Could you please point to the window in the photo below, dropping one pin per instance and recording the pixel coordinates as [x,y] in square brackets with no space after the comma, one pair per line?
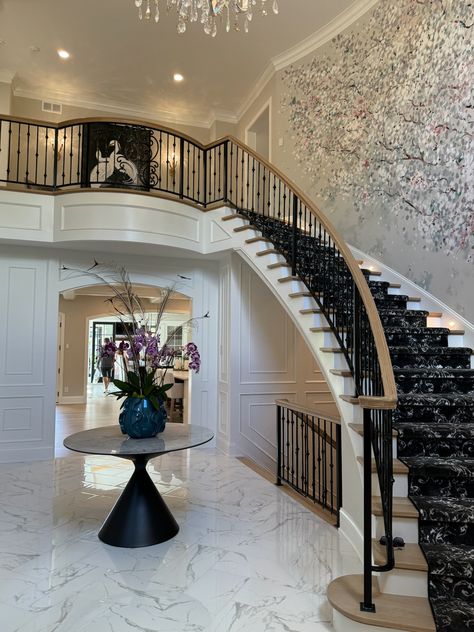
[174,335]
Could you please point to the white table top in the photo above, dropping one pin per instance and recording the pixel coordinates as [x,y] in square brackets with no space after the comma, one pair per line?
[110,440]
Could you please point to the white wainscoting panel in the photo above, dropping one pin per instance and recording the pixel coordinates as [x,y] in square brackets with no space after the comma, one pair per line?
[26,216]
[21,419]
[28,313]
[109,216]
[267,334]
[273,362]
[23,311]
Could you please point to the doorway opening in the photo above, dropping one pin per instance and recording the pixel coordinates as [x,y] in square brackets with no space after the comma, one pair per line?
[258,133]
[86,321]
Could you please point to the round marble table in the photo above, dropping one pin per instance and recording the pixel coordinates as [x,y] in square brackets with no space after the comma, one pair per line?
[140,516]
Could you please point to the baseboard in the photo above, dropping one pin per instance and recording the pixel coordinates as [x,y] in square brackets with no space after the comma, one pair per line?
[351,532]
[27,455]
[72,399]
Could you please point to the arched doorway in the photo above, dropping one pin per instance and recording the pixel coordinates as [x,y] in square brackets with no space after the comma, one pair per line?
[87,318]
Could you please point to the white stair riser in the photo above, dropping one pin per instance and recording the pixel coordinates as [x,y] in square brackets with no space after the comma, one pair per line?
[404,582]
[290,286]
[455,341]
[400,485]
[344,624]
[338,361]
[406,528]
[314,320]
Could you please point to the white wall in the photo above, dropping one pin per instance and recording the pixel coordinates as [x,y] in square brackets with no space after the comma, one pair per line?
[263,358]
[30,282]
[29,317]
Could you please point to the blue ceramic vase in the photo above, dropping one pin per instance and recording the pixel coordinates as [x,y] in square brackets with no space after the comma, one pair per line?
[139,419]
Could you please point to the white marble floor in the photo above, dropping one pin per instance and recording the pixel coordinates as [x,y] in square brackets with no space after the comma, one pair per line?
[247,557]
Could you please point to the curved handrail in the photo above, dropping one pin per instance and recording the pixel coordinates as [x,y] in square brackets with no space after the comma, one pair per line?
[389,398]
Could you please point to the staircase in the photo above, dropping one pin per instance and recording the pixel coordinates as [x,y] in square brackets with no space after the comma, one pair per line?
[412,464]
[433,466]
[434,422]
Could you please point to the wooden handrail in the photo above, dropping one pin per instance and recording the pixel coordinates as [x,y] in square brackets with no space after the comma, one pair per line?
[389,399]
[308,411]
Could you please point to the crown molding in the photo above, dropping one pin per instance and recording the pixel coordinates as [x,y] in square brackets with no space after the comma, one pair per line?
[307,46]
[225,117]
[323,35]
[162,116]
[6,76]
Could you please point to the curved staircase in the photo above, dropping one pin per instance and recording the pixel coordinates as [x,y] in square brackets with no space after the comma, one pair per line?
[433,432]
[374,346]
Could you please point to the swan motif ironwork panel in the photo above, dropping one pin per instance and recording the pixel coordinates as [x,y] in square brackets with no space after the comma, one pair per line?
[117,156]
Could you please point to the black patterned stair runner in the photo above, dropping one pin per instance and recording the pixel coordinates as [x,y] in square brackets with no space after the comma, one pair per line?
[434,419]
[435,424]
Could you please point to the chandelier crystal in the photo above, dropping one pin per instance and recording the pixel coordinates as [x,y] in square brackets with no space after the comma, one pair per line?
[207,12]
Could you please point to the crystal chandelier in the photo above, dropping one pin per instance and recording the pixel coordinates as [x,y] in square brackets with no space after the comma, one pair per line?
[207,12]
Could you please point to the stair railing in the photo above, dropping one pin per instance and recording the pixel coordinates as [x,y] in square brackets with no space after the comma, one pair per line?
[309,454]
[133,155]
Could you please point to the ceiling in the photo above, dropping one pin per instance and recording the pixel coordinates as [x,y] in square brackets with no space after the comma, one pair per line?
[118,60]
[143,291]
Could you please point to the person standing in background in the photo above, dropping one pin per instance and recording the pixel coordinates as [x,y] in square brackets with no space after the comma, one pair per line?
[106,360]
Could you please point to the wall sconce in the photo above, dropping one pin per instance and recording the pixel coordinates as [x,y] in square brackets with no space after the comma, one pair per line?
[172,165]
[59,149]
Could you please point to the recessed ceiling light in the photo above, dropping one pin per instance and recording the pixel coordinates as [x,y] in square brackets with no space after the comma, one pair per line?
[63,54]
[178,77]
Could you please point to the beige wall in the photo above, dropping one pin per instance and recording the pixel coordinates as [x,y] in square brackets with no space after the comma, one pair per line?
[31,108]
[76,314]
[5,98]
[221,128]
[330,144]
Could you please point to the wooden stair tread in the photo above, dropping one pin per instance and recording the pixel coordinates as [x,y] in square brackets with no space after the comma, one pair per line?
[254,240]
[331,349]
[395,285]
[279,264]
[456,332]
[409,558]
[268,251]
[287,279]
[372,272]
[340,372]
[435,314]
[392,611]
[310,310]
[402,507]
[414,299]
[398,466]
[300,295]
[359,428]
[226,218]
[240,229]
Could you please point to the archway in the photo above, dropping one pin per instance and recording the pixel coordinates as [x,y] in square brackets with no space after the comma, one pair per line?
[87,317]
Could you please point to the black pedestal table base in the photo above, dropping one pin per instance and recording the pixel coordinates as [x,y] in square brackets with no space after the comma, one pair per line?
[140,517]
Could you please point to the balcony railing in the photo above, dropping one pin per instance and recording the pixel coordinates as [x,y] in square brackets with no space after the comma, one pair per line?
[134,156]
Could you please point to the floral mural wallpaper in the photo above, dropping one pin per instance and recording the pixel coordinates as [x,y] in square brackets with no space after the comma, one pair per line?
[382,127]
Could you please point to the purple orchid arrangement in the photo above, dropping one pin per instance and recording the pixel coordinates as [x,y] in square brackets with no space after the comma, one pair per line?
[142,351]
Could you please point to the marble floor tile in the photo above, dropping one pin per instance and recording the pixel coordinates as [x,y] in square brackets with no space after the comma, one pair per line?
[247,556]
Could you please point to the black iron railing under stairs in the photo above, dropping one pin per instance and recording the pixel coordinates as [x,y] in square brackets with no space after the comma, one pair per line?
[102,154]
